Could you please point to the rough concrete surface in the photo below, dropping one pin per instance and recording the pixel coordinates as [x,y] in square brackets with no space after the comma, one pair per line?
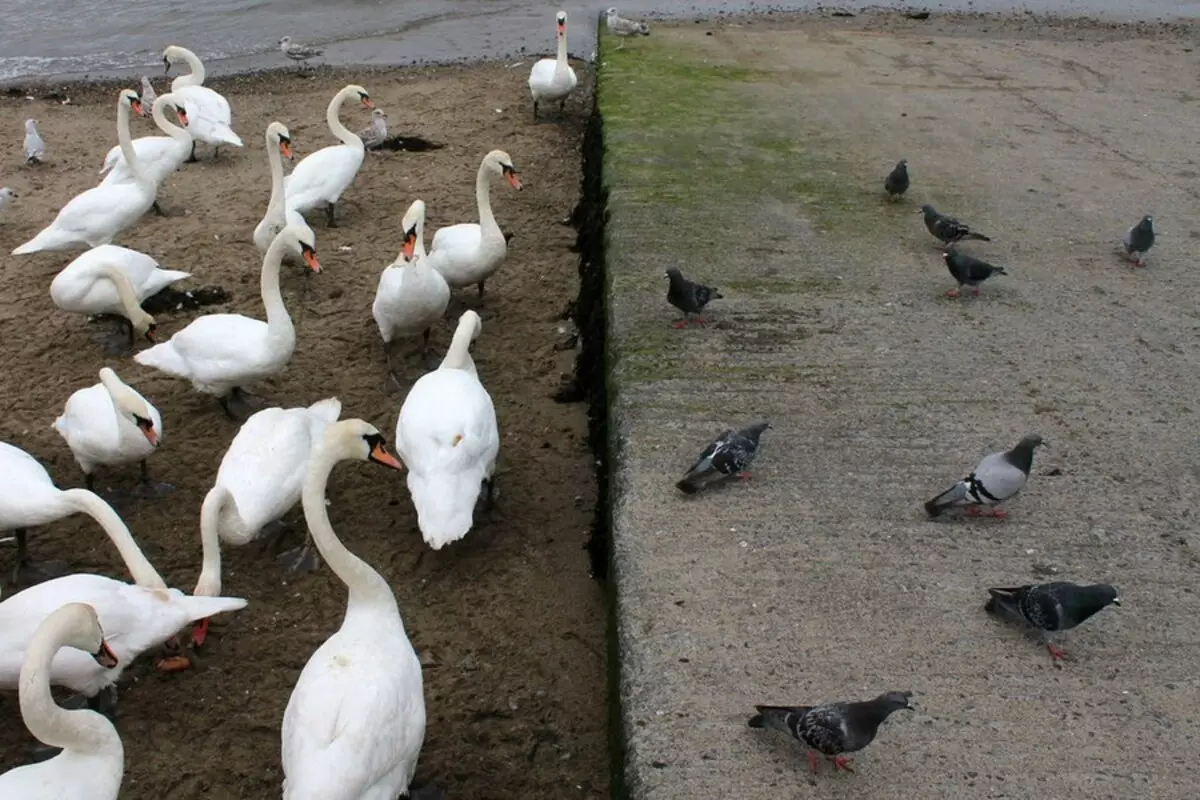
[753,157]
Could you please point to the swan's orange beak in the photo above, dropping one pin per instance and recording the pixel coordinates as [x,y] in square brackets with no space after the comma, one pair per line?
[182,116]
[147,428]
[285,147]
[105,657]
[310,258]
[562,28]
[514,178]
[368,102]
[136,105]
[410,244]
[380,455]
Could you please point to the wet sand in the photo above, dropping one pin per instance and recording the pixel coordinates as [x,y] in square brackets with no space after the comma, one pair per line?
[509,624]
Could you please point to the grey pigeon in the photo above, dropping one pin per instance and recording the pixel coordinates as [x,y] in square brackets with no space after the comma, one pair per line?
[688,297]
[998,477]
[1052,607]
[1139,239]
[148,97]
[298,52]
[947,228]
[968,271]
[7,196]
[834,728]
[35,146]
[728,455]
[619,26]
[896,183]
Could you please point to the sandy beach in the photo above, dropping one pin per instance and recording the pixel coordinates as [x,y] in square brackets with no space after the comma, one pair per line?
[509,624]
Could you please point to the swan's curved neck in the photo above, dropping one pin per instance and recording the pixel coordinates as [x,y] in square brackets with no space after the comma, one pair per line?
[367,587]
[275,161]
[209,582]
[344,134]
[83,730]
[140,569]
[458,354]
[196,75]
[279,324]
[125,292]
[125,140]
[561,61]
[483,197]
[159,112]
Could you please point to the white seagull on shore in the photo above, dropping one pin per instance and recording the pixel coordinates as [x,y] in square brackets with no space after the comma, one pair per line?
[35,145]
[7,196]
[619,26]
[374,134]
[298,52]
[148,97]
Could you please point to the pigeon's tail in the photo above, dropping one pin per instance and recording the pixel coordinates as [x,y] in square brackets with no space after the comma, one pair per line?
[973,235]
[955,495]
[696,479]
[774,717]
[1003,602]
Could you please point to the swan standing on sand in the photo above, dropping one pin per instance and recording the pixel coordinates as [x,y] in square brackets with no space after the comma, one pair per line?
[468,253]
[96,216]
[220,353]
[111,424]
[448,439]
[355,722]
[278,215]
[321,177]
[208,116]
[113,280]
[159,155]
[35,145]
[92,762]
[260,479]
[412,296]
[552,79]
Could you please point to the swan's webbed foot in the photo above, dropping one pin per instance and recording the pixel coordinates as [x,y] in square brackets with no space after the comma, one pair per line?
[331,215]
[490,493]
[158,209]
[535,116]
[245,402]
[272,534]
[29,572]
[105,701]
[151,489]
[480,290]
[121,341]
[301,559]
[191,159]
[392,382]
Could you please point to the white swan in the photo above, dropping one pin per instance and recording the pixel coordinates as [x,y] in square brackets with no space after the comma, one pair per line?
[208,115]
[94,217]
[552,79]
[355,722]
[412,296]
[159,155]
[113,280]
[260,479]
[468,253]
[321,177]
[92,762]
[448,439]
[219,353]
[278,216]
[110,424]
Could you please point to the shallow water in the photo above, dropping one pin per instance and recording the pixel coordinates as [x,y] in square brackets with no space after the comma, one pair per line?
[79,38]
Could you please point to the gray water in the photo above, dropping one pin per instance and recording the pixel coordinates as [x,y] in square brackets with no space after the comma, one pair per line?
[96,38]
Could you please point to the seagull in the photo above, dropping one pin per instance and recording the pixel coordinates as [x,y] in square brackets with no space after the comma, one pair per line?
[374,134]
[35,145]
[148,97]
[7,196]
[298,52]
[619,26]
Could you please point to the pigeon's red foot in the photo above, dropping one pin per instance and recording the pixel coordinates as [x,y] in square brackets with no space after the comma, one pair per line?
[200,632]
[680,323]
[953,293]
[745,476]
[700,321]
[977,291]
[842,762]
[998,514]
[813,762]
[1056,652]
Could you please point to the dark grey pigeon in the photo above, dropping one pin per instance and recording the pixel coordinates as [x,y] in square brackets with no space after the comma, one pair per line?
[896,183]
[688,297]
[728,455]
[948,229]
[1052,607]
[1139,239]
[968,271]
[998,477]
[834,728]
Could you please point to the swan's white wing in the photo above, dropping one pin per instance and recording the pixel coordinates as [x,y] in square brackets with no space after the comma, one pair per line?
[465,236]
[159,157]
[28,497]
[219,343]
[542,75]
[80,288]
[92,217]
[209,118]
[90,427]
[322,177]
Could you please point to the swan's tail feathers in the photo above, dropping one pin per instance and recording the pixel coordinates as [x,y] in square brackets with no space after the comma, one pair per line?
[47,239]
[164,358]
[445,505]
[327,410]
[199,608]
[225,135]
[953,496]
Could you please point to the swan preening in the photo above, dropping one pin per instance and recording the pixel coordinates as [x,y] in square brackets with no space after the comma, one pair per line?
[448,439]
[468,253]
[92,761]
[209,119]
[221,353]
[320,178]
[552,79]
[355,722]
[96,216]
